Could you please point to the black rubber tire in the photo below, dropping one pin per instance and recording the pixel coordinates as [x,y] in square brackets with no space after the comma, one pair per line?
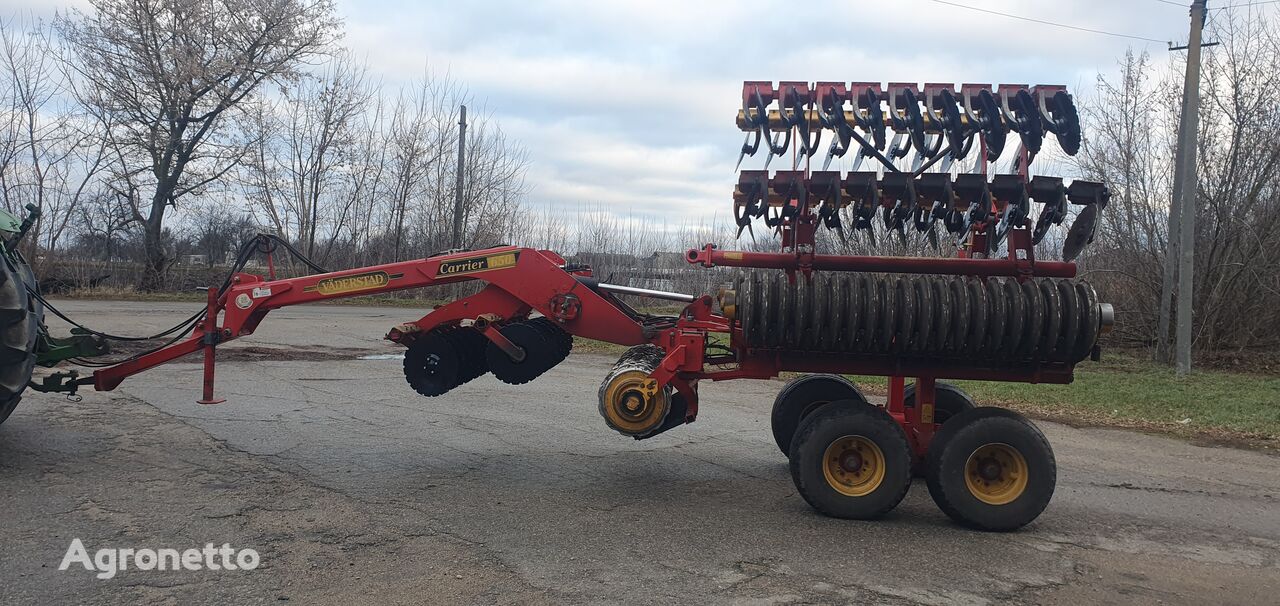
[470,346]
[431,364]
[949,401]
[562,338]
[960,438]
[20,318]
[540,354]
[803,395]
[831,422]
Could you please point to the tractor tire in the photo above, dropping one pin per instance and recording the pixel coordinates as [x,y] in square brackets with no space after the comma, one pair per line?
[991,469]
[803,395]
[21,316]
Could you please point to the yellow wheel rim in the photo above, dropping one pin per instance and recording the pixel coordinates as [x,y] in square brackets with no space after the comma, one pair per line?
[634,404]
[996,474]
[853,466]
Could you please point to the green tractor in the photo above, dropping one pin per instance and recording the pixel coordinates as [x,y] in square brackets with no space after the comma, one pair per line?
[24,342]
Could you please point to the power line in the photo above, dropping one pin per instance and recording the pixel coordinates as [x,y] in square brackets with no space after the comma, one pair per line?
[1053,23]
[1242,4]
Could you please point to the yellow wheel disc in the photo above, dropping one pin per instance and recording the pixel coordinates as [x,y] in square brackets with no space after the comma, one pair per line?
[633,404]
[996,474]
[853,466]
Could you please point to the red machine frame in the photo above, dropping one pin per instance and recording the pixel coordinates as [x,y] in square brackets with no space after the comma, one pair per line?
[521,281]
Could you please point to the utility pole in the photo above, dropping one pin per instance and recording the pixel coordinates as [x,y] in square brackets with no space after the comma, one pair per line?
[457,194]
[1169,281]
[1186,190]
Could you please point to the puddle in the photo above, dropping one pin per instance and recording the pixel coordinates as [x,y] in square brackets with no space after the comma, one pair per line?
[395,356]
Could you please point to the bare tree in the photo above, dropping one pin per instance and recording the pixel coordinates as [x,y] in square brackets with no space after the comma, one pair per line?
[46,158]
[1131,127]
[302,157]
[169,75]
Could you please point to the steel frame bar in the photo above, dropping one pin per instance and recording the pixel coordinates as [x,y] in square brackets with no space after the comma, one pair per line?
[711,257]
[520,280]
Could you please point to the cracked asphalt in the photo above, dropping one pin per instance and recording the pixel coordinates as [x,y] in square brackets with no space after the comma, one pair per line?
[356,490]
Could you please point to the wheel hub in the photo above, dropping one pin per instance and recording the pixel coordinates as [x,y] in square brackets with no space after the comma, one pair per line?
[854,466]
[851,462]
[996,474]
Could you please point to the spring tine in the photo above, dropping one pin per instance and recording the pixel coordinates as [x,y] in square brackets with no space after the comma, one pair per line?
[831,152]
[857,160]
[773,145]
[751,149]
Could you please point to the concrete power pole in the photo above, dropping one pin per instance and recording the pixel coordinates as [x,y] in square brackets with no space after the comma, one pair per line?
[1169,281]
[457,194]
[1187,190]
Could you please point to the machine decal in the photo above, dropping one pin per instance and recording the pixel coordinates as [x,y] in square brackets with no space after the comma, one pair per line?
[478,264]
[353,283]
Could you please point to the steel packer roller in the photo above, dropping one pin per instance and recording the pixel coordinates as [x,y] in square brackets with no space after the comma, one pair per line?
[963,320]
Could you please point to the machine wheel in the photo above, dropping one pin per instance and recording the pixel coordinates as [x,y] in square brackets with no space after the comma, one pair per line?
[851,460]
[949,401]
[20,318]
[803,395]
[540,354]
[562,339]
[431,364]
[470,346]
[630,402]
[991,469]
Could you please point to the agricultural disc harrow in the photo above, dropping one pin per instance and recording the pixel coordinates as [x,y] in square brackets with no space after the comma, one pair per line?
[977,314]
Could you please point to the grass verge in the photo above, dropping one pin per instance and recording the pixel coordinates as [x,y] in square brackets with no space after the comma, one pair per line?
[1128,390]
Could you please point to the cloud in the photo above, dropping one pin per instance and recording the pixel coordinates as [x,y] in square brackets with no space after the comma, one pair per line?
[629,105]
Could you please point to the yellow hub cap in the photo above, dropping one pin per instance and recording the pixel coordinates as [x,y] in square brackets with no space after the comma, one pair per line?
[996,474]
[853,466]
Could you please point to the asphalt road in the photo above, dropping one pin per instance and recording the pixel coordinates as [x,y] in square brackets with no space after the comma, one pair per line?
[356,490]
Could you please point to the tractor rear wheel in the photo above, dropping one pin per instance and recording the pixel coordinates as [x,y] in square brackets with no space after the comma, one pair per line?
[20,318]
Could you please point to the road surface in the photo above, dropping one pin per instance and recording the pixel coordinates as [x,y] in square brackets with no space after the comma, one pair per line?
[355,490]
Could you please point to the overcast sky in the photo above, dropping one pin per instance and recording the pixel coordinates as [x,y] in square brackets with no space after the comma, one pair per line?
[629,106]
